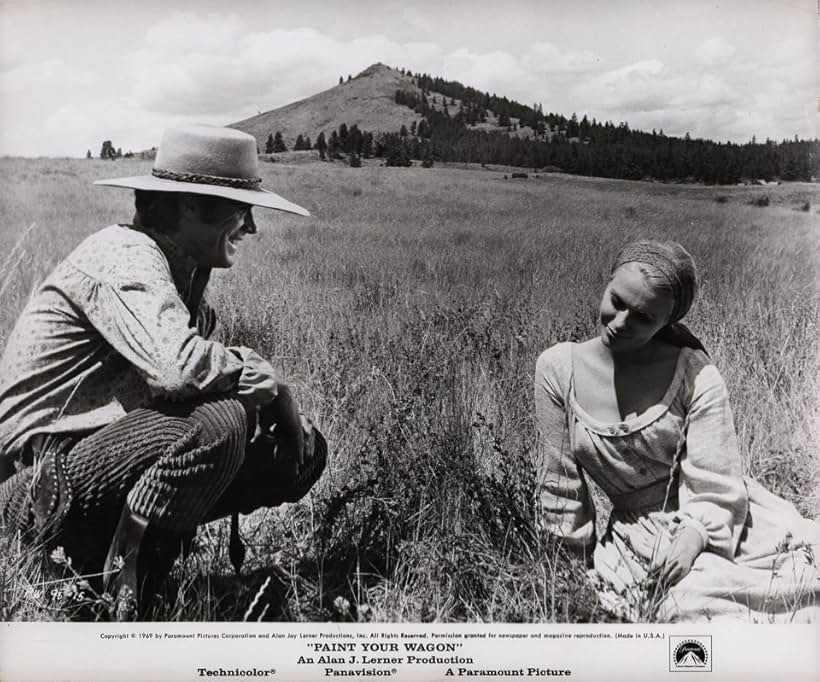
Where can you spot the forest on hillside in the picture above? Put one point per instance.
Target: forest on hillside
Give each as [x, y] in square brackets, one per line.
[451, 130]
[589, 147]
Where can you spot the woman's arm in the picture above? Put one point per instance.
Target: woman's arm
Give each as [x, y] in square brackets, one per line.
[565, 502]
[712, 495]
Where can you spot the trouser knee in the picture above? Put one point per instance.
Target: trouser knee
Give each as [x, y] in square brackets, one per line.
[196, 466]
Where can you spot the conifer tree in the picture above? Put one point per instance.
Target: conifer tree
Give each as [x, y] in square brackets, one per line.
[269, 144]
[321, 146]
[108, 151]
[279, 143]
[333, 145]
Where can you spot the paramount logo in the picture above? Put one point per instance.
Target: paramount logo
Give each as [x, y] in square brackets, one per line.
[690, 653]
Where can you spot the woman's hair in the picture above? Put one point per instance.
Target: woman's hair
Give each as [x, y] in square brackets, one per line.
[655, 278]
[666, 265]
[670, 268]
[160, 210]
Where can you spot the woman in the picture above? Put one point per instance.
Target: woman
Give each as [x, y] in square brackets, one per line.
[643, 411]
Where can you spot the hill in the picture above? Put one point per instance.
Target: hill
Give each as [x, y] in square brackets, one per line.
[401, 117]
[367, 100]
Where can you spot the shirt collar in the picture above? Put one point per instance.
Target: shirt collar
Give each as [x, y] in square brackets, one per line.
[181, 264]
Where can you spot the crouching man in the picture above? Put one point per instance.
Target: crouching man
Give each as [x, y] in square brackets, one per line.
[123, 425]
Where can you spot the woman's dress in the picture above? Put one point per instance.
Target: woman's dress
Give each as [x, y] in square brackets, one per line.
[675, 465]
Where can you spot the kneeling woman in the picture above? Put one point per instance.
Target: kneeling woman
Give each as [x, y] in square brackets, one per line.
[642, 410]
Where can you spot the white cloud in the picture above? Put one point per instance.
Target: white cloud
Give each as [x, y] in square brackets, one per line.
[714, 52]
[238, 68]
[643, 86]
[227, 65]
[48, 74]
[547, 58]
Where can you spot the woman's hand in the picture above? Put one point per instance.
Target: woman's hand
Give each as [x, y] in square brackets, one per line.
[674, 562]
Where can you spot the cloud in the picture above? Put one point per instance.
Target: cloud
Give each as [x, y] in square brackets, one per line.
[714, 52]
[236, 68]
[643, 86]
[49, 74]
[547, 58]
[224, 66]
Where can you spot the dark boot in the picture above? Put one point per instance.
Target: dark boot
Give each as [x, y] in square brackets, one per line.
[138, 562]
[120, 575]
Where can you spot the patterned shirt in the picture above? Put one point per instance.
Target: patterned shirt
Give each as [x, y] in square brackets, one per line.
[109, 330]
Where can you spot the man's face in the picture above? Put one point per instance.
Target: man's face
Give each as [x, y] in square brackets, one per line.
[210, 229]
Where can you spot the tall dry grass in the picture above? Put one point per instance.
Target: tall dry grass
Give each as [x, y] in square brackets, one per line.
[408, 313]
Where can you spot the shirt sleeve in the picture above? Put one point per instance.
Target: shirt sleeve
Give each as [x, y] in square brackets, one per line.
[566, 505]
[207, 324]
[144, 319]
[712, 494]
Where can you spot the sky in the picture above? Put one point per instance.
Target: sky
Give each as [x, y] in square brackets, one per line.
[76, 72]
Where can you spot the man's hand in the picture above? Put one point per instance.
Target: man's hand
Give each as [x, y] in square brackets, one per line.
[674, 562]
[289, 454]
[281, 421]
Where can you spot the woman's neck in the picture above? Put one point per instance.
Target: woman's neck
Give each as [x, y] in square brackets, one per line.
[646, 354]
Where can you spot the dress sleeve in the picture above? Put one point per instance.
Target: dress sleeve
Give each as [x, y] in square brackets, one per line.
[144, 319]
[564, 497]
[712, 494]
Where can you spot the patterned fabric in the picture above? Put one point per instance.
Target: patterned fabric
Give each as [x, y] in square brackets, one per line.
[675, 465]
[108, 331]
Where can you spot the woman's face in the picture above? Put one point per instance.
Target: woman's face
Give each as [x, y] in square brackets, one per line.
[633, 310]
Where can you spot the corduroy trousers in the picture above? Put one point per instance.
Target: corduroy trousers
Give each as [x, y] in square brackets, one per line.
[173, 463]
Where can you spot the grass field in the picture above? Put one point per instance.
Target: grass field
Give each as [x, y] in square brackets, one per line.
[407, 313]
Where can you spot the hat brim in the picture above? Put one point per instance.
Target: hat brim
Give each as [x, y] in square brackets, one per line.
[257, 197]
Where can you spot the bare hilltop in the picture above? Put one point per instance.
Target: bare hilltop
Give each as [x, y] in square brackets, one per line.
[367, 100]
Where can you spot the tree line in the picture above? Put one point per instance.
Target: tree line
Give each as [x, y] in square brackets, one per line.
[588, 147]
[349, 142]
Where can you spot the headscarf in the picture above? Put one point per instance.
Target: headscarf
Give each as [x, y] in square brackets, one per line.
[678, 268]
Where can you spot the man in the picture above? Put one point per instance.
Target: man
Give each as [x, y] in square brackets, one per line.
[123, 424]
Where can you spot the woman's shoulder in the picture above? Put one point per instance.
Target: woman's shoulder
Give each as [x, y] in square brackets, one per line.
[700, 374]
[554, 366]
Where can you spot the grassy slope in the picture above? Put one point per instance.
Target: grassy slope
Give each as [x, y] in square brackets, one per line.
[408, 313]
[368, 100]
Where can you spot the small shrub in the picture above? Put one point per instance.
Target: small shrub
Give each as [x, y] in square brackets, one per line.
[806, 207]
[721, 199]
[355, 161]
[427, 163]
[520, 175]
[760, 202]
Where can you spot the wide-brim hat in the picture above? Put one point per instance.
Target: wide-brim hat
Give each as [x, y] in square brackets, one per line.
[212, 160]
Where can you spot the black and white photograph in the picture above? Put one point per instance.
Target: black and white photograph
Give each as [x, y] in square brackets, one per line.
[479, 318]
